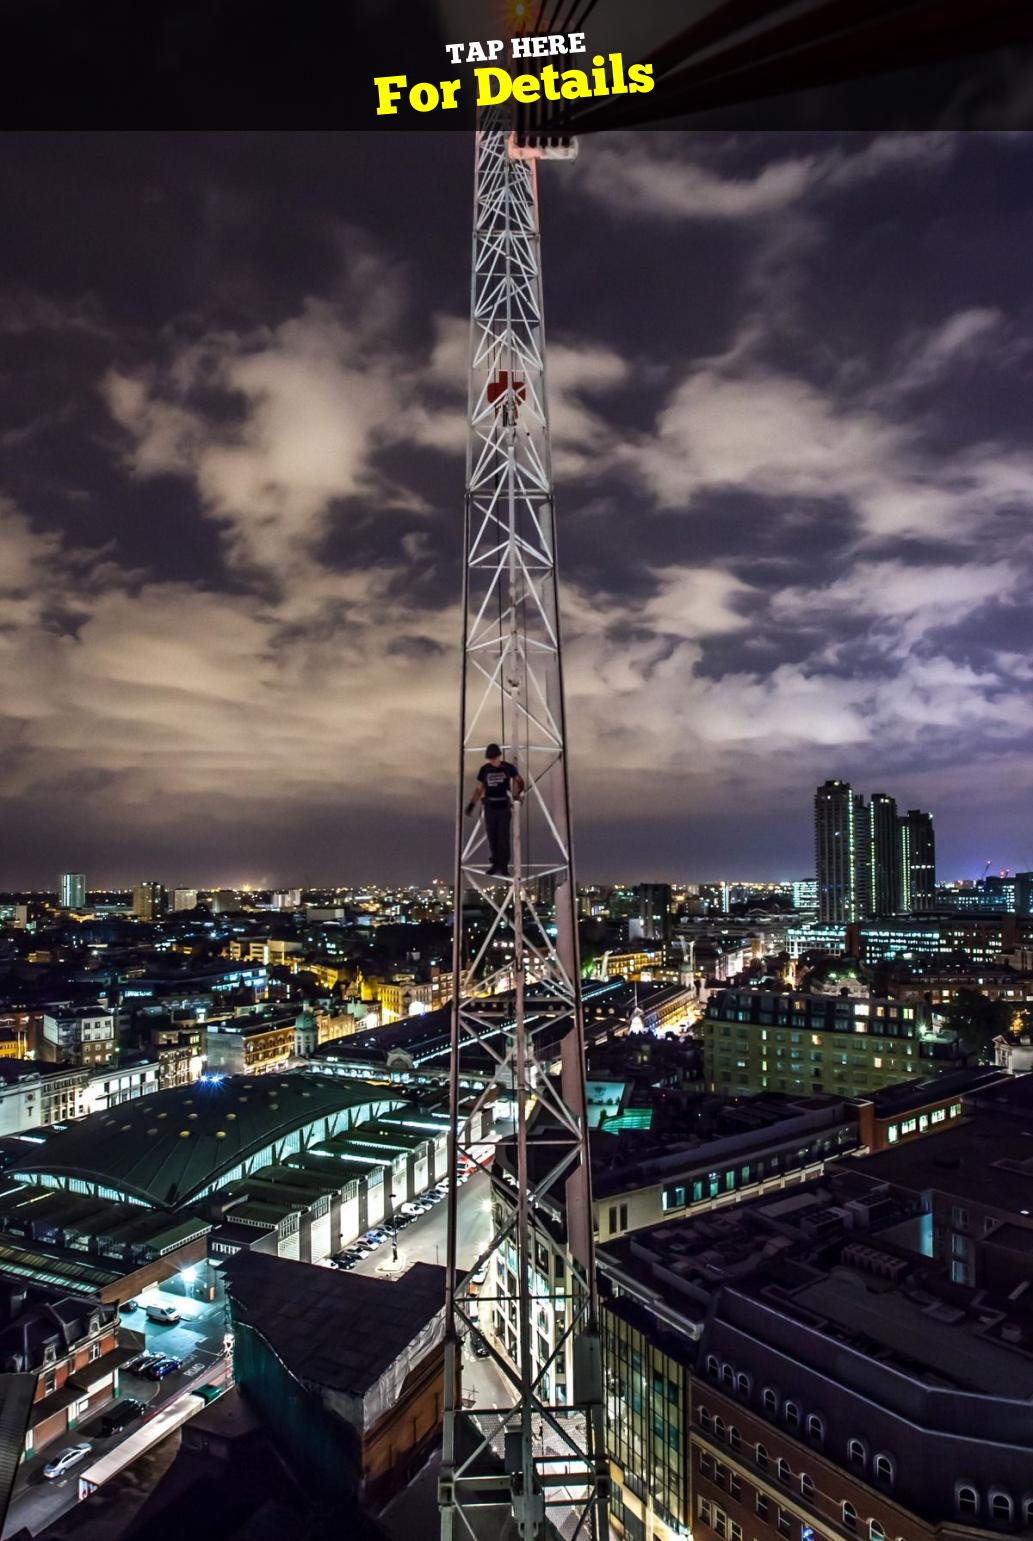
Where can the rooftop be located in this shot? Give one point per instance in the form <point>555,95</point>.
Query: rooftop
<point>988,1159</point>
<point>365,1324</point>
<point>844,1268</point>
<point>166,1148</point>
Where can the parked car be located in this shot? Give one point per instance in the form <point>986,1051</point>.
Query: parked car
<point>116,1418</point>
<point>129,1305</point>
<point>347,1263</point>
<point>480,1348</point>
<point>167,1316</point>
<point>66,1460</point>
<point>412,1208</point>
<point>139,1364</point>
<point>162,1368</point>
<point>374,1238</point>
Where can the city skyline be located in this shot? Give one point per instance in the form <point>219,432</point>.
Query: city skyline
<point>791,487</point>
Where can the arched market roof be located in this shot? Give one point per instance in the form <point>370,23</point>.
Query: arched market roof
<point>166,1149</point>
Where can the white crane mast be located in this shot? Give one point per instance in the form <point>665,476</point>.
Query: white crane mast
<point>523,1450</point>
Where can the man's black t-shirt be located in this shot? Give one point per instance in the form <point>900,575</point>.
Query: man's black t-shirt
<point>495,780</point>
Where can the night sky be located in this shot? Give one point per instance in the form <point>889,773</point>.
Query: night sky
<point>791,389</point>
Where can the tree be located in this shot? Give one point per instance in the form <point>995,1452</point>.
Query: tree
<point>977,1022</point>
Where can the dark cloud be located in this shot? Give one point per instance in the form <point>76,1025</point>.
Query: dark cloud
<point>788,376</point>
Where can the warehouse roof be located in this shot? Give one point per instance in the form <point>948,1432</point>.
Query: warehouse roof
<point>166,1148</point>
<point>365,1324</point>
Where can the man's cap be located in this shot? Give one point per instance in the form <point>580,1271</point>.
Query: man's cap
<point>492,752</point>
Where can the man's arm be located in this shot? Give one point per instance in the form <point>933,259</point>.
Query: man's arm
<point>478,793</point>
<point>518,787</point>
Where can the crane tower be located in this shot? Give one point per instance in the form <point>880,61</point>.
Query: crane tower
<point>523,1450</point>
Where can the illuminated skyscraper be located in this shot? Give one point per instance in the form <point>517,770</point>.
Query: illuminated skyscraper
<point>841,853</point>
<point>883,855</point>
<point>72,890</point>
<point>917,862</point>
<point>149,901</point>
<point>654,911</point>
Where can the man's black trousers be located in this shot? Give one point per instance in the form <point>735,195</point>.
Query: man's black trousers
<point>496,825</point>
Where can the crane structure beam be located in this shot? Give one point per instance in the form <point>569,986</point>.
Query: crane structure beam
<point>523,1445</point>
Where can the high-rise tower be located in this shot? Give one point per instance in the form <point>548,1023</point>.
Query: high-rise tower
<point>917,862</point>
<point>841,853</point>
<point>72,890</point>
<point>883,855</point>
<point>535,1451</point>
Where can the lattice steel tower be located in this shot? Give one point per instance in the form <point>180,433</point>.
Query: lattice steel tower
<point>528,1459</point>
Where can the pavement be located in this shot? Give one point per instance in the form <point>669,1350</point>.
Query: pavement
<point>197,1341</point>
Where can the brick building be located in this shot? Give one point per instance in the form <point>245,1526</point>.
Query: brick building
<point>70,1342</point>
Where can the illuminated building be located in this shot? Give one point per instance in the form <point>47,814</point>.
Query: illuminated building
<point>79,1037</point>
<point>72,895</point>
<point>251,1045</point>
<point>149,901</point>
<point>756,1040</point>
<point>654,912</point>
<point>884,851</point>
<point>812,938</point>
<point>184,898</point>
<point>1024,893</point>
<point>917,862</point>
<point>841,852</point>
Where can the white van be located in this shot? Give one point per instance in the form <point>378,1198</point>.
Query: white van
<point>168,1316</point>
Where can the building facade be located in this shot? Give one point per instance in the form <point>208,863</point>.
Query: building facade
<point>72,890</point>
<point>884,896</point>
<point>917,862</point>
<point>70,1341</point>
<point>758,1040</point>
<point>85,1038</point>
<point>34,1096</point>
<point>149,901</point>
<point>841,853</point>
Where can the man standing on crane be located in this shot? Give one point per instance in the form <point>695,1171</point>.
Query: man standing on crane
<point>499,786</point>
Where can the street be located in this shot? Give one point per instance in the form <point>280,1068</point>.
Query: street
<point>425,1240</point>
<point>197,1340</point>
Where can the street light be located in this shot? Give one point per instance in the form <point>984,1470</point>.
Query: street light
<point>394,1230</point>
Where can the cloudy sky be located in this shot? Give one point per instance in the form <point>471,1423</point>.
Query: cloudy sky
<point>791,385</point>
